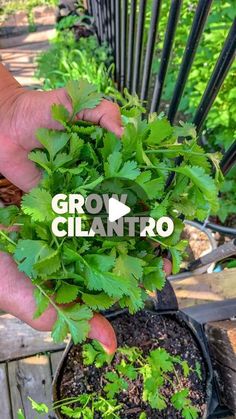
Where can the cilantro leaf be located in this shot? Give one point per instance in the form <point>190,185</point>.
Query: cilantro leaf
<point>66,293</point>
<point>40,157</point>
<point>179,398</point>
<point>53,141</point>
<point>60,329</point>
<point>38,204</point>
<point>161,359</point>
<point>83,94</point>
<point>42,303</point>
<point>129,267</point>
<point>8,215</point>
<point>154,276</point>
<point>49,264</point>
<point>176,260</point>
<point>202,181</point>
<point>112,167</point>
<point>99,301</point>
<point>186,129</point>
<point>73,320</point>
<point>39,407</point>
<point>28,252</point>
<point>160,129</point>
<point>60,113</point>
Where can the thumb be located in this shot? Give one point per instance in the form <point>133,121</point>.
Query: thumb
<point>21,171</point>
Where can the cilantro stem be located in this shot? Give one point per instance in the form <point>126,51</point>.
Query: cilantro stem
<point>47,296</point>
<point>7,238</point>
<point>164,150</point>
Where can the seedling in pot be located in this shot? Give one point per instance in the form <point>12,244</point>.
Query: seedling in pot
<point>153,372</point>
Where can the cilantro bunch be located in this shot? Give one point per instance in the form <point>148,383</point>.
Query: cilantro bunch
<point>97,272</point>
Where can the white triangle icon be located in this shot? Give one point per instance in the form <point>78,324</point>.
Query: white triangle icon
<point>116,209</point>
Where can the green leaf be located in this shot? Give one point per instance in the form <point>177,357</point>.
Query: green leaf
<point>93,268</point>
<point>8,215</point>
<point>154,276</point>
<point>40,157</point>
<point>76,413</point>
<point>60,113</point>
<point>28,252</point>
<point>110,143</point>
<point>60,329</point>
<point>203,181</point>
<point>20,414</point>
<point>129,267</point>
<point>77,319</point>
<point>160,129</point>
<point>39,407</point>
<point>89,354</point>
<point>186,368</point>
<point>190,412</point>
<point>179,398</point>
<point>61,159</point>
<point>53,141</point>
<point>186,129</point>
<point>129,169</point>
<point>49,264</point>
<point>176,260</point>
<point>42,303</point>
<point>161,359</point>
<point>38,204</point>
<point>99,301</point>
<point>83,95</point>
<point>66,293</point>
<point>128,371</point>
<point>198,370</point>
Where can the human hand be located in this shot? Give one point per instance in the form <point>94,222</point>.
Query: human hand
<point>23,112</point>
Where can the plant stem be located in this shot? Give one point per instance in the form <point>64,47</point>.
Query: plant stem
<point>47,296</point>
<point>7,238</point>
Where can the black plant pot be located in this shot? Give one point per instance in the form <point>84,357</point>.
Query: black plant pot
<point>180,317</point>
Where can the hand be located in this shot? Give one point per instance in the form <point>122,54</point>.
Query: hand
<point>24,112</point>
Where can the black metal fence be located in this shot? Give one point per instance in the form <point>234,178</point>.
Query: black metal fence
<point>121,24</point>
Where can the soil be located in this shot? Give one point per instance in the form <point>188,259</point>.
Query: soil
<point>148,331</point>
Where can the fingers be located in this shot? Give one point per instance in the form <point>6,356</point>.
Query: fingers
<point>18,169</point>
<point>167,266</point>
<point>103,331</point>
<point>106,114</point>
<point>16,298</point>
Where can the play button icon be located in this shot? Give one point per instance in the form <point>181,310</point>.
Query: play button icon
<point>116,209</point>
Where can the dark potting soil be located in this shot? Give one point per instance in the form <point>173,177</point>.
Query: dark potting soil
<point>147,331</point>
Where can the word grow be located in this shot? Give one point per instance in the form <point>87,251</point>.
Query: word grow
<point>81,218</point>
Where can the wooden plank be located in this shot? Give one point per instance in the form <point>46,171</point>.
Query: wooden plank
<point>19,340</point>
<point>199,289</point>
<point>30,377</point>
<point>5,407</point>
<point>55,360</point>
<point>222,343</point>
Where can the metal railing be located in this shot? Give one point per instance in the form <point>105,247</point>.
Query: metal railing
<point>121,24</point>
